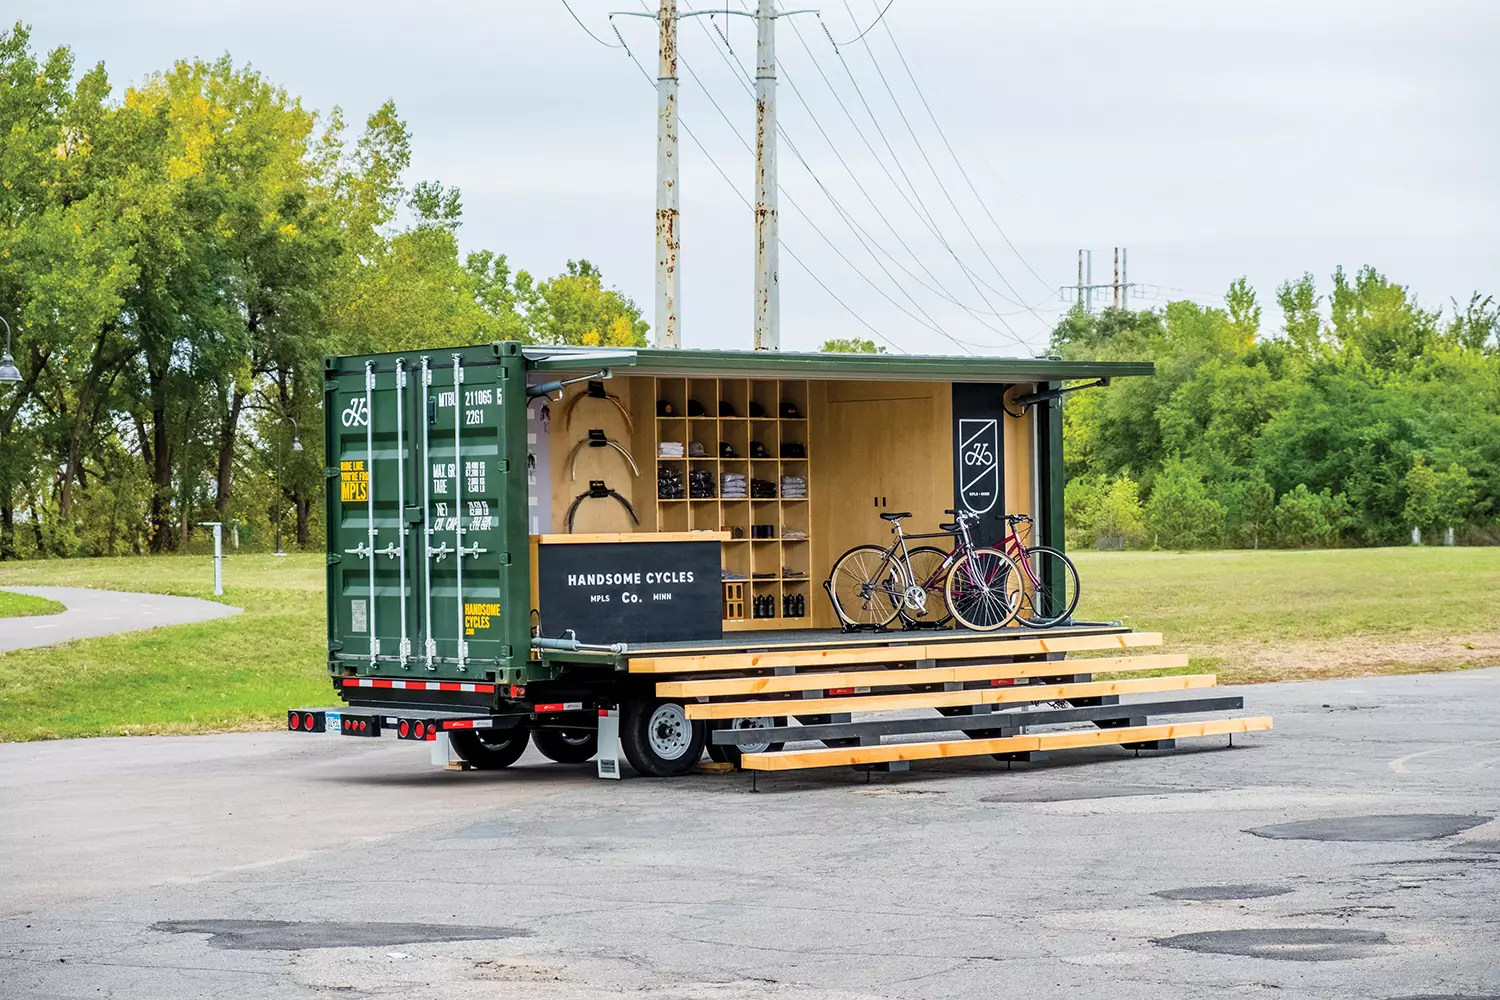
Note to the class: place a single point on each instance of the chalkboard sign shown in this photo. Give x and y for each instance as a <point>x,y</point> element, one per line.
<point>631,591</point>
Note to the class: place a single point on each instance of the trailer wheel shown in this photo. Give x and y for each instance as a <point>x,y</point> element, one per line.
<point>732,752</point>
<point>489,749</point>
<point>658,738</point>
<point>566,746</point>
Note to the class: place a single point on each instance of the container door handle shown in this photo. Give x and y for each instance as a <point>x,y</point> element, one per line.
<point>429,643</point>
<point>370,498</point>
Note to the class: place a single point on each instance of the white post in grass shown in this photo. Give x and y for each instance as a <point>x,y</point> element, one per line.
<point>218,527</point>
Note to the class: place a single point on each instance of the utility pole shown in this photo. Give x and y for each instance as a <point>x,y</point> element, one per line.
<point>767,248</point>
<point>668,275</point>
<point>767,245</point>
<point>1125,279</point>
<point>1117,277</point>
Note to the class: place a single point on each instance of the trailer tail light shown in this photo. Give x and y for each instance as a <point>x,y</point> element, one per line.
<point>299,720</point>
<point>361,725</point>
<point>416,729</point>
<point>558,706</point>
<point>1003,682</point>
<point>835,692</point>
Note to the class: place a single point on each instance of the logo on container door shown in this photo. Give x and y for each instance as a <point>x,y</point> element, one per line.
<point>979,464</point>
<point>357,413</point>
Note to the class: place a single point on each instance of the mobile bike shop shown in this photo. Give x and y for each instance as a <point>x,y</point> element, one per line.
<point>599,550</point>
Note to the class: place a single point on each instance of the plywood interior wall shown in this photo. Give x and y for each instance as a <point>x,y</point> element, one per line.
<point>1019,434</point>
<point>599,463</point>
<point>879,446</point>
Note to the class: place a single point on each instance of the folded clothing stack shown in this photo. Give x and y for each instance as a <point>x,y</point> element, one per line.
<point>794,487</point>
<point>670,449</point>
<point>701,484</point>
<point>761,489</point>
<point>733,486</point>
<point>669,484</point>
<point>794,535</point>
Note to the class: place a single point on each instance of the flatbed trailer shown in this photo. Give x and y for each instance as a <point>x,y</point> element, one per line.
<point>614,553</point>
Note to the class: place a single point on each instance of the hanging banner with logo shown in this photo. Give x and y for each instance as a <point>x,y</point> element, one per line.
<point>978,456</point>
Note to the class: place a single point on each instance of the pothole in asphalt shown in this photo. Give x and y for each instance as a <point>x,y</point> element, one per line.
<point>1091,792</point>
<point>1217,892</point>
<point>1283,944</point>
<point>1375,829</point>
<point>296,935</point>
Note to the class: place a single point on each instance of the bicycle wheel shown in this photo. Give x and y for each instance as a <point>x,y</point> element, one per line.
<point>928,572</point>
<point>866,586</point>
<point>1051,591</point>
<point>984,589</point>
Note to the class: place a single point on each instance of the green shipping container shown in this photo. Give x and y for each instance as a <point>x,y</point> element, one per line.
<point>426,514</point>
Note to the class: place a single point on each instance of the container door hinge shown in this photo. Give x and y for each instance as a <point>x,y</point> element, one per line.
<point>505,559</point>
<point>504,464</point>
<point>330,473</point>
<point>329,385</point>
<point>505,651</point>
<point>334,557</point>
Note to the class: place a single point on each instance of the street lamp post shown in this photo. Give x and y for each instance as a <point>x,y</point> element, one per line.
<point>8,370</point>
<point>280,468</point>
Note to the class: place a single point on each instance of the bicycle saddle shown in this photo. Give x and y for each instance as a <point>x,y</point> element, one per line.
<point>895,517</point>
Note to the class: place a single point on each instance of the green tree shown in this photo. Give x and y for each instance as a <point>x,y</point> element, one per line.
<point>576,308</point>
<point>1180,513</point>
<point>851,345</point>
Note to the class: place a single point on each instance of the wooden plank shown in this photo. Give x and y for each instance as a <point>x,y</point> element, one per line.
<point>851,656</point>
<point>638,536</point>
<point>946,699</point>
<point>788,760</point>
<point>776,683</point>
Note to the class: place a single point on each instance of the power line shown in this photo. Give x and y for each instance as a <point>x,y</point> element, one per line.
<point>714,163</point>
<point>860,233</point>
<point>956,162</point>
<point>879,17</point>
<point>925,319</point>
<point>920,207</point>
<point>932,169</point>
<point>595,37</point>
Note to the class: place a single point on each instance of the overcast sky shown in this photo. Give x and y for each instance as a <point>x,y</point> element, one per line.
<point>1213,140</point>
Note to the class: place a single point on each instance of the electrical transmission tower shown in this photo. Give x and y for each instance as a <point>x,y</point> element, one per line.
<point>1085,288</point>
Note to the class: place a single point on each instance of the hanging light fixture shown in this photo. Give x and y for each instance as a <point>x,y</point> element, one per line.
<point>8,370</point>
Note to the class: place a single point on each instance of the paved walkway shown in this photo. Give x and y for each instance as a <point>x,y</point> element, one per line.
<point>101,612</point>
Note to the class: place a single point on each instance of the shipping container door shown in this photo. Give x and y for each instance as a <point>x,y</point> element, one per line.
<point>372,410</point>
<point>464,493</point>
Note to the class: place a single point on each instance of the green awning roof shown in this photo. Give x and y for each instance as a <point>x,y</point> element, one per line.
<point>784,364</point>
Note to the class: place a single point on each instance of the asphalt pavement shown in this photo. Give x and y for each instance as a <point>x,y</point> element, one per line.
<point>1350,853</point>
<point>92,613</point>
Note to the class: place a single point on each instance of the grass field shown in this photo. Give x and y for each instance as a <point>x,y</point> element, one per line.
<point>1249,616</point>
<point>26,605</point>
<point>232,673</point>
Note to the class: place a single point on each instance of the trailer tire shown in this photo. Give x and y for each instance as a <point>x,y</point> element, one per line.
<point>566,746</point>
<point>489,749</point>
<point>658,738</point>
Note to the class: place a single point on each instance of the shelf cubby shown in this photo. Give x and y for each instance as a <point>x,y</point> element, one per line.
<point>735,426</point>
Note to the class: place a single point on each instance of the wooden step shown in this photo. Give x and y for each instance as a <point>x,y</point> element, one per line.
<point>874,653</point>
<point>945,699</point>
<point>819,681</point>
<point>788,760</point>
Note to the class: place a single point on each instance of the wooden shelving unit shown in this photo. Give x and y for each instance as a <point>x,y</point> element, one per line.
<point>775,567</point>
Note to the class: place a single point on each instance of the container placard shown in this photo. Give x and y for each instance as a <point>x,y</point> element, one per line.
<point>611,592</point>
